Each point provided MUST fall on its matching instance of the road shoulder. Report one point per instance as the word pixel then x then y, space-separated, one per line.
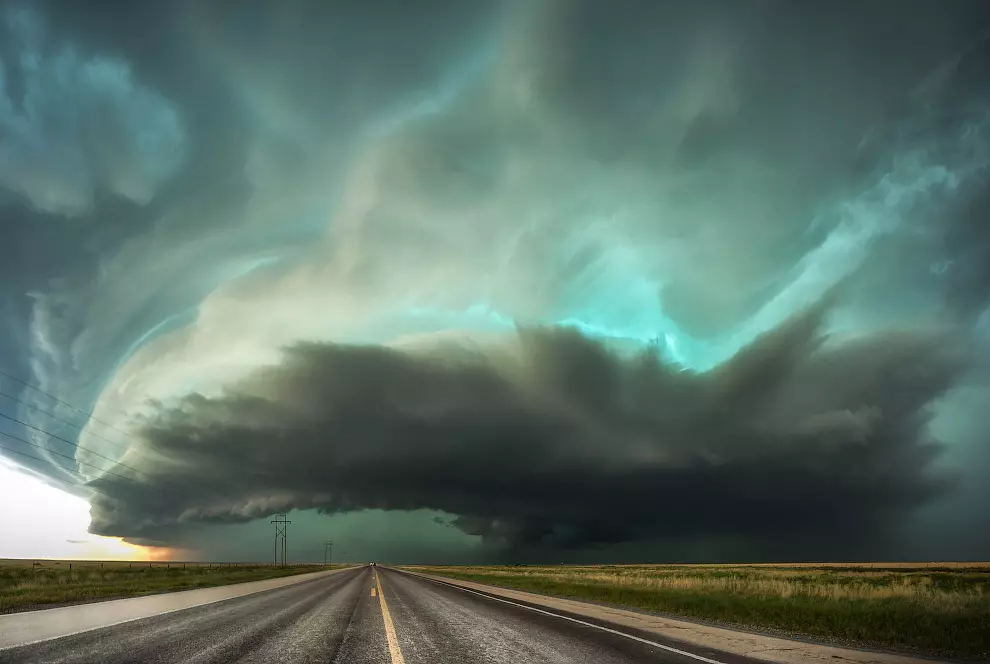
pixel 756 646
pixel 25 628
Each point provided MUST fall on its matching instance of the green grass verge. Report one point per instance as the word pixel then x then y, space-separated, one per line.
pixel 24 588
pixel 890 623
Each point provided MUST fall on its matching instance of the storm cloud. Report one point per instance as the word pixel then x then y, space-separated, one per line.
pixel 550 438
pixel 116 134
pixel 563 274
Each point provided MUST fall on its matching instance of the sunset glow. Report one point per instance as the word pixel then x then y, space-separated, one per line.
pixel 57 525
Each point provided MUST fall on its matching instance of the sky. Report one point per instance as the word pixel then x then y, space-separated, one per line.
pixel 495 281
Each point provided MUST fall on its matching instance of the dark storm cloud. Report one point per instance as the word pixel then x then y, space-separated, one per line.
pixel 636 168
pixel 554 440
pixel 789 89
pixel 963 90
pixel 943 116
pixel 116 134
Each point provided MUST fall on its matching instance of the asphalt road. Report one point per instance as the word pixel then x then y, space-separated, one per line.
pixel 341 618
pixel 32 626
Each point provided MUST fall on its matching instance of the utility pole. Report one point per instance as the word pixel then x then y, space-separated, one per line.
pixel 281 525
pixel 327 545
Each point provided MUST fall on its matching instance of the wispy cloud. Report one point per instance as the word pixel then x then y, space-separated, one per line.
pixel 72 124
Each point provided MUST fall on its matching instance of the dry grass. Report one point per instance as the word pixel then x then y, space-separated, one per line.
pixel 937 608
pixel 32 584
pixel 49 563
pixel 931 587
pixel 826 565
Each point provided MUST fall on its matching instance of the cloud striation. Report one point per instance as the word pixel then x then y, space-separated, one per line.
pixel 553 439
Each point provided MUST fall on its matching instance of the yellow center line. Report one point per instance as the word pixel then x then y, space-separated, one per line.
pixel 393 641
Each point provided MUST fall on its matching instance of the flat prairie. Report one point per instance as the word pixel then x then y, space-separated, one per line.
pixel 941 609
pixel 38 584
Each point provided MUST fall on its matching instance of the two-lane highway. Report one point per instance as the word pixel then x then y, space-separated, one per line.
pixel 437 622
pixel 356 616
pixel 328 619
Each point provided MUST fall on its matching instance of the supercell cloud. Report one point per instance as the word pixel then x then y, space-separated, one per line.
pixel 549 438
pixel 73 123
pixel 571 277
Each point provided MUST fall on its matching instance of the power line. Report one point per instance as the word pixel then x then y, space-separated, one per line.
pixel 64 421
pixel 81 485
pixel 327 545
pixel 281 525
pixel 25 454
pixel 88 414
pixel 75 445
pixel 48 461
pixel 80 447
pixel 65 456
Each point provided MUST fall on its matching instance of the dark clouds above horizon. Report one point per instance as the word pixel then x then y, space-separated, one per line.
pixel 547 269
pixel 791 431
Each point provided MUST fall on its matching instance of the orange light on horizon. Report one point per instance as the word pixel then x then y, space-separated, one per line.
pixel 55 525
pixel 116 548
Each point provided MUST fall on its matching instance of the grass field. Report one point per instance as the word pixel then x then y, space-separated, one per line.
pixel 937 609
pixel 34 584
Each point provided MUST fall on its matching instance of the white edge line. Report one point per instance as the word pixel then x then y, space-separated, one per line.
pixel 580 622
pixel 152 615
